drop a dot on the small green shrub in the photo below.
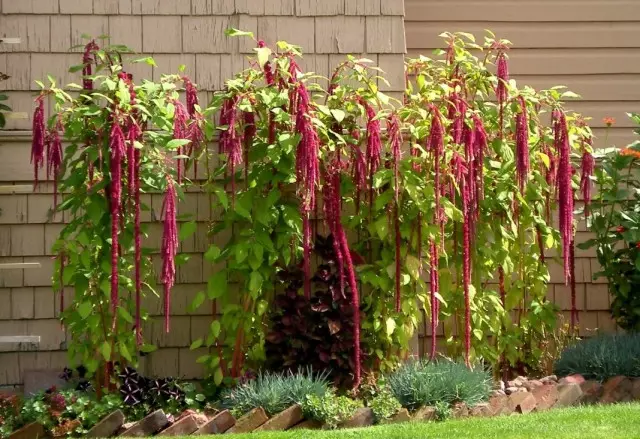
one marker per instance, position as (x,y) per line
(384,405)
(329,409)
(422,383)
(275,392)
(443,411)
(602,357)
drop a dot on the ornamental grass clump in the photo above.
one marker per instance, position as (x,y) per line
(275,392)
(420,383)
(601,357)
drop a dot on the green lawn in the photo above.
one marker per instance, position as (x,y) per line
(610,422)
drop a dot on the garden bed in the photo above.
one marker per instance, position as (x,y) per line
(520,396)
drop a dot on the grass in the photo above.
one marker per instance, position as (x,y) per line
(592,422)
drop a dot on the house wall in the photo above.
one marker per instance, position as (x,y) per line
(590,46)
(175,32)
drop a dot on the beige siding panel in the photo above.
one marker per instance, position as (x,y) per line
(523,11)
(424,34)
(566,61)
(591,87)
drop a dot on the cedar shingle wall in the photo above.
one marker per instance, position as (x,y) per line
(175,32)
(591,46)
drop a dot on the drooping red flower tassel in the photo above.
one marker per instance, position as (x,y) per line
(434,280)
(395,138)
(587,166)
(435,144)
(249,134)
(38,140)
(180,131)
(89,50)
(374,145)
(522,146)
(359,169)
(169,248)
(480,146)
(565,192)
(191,93)
(501,88)
(117,149)
(332,199)
(137,242)
(54,158)
(572,272)
(230,140)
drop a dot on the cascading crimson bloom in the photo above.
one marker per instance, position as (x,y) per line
(434,281)
(587,166)
(522,145)
(565,191)
(572,272)
(249,134)
(457,111)
(480,146)
(359,168)
(89,49)
(191,93)
(39,138)
(435,145)
(307,172)
(332,199)
(395,138)
(231,140)
(169,248)
(54,158)
(374,145)
(501,88)
(180,131)
(117,153)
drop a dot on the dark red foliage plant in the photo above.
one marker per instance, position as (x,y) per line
(103,150)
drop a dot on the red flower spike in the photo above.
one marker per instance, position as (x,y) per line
(39,138)
(587,166)
(522,146)
(88,57)
(565,191)
(395,138)
(191,93)
(180,131)
(169,248)
(117,149)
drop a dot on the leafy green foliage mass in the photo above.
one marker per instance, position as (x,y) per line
(615,220)
(384,405)
(329,409)
(420,383)
(602,357)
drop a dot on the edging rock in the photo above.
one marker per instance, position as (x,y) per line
(568,395)
(108,426)
(283,420)
(219,424)
(29,431)
(362,418)
(148,426)
(249,422)
(183,427)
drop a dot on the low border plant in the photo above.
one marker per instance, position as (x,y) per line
(602,357)
(329,409)
(421,383)
(275,392)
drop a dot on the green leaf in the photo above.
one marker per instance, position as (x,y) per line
(413,266)
(176,143)
(215,328)
(217,285)
(196,344)
(197,301)
(241,253)
(382,227)
(255,283)
(125,314)
(217,377)
(124,351)
(186,230)
(212,253)
(263,55)
(148,348)
(237,33)
(105,350)
(338,115)
(85,309)
(391,326)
